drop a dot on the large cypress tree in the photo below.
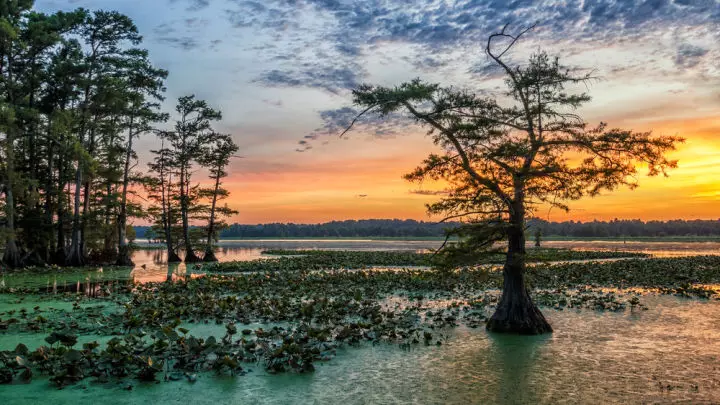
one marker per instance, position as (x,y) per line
(501,157)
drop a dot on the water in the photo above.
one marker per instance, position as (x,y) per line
(657,249)
(591,358)
(151,265)
(667,354)
(156,267)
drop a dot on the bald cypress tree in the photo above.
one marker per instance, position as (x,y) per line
(503,156)
(216,158)
(144,87)
(193,130)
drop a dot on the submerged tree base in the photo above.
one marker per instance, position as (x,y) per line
(124,257)
(210,256)
(524,319)
(11,257)
(75,258)
(191,257)
(173,257)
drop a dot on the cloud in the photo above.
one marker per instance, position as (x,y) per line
(193,5)
(184,43)
(347,28)
(330,78)
(486,70)
(274,103)
(196,23)
(428,192)
(215,43)
(689,56)
(164,29)
(335,121)
(427,63)
(186,33)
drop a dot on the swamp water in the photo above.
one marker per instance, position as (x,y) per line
(151,265)
(669,353)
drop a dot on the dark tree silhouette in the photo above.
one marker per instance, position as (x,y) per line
(76,92)
(502,156)
(216,158)
(192,131)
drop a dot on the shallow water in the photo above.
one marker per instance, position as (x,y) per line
(151,265)
(156,268)
(657,249)
(592,357)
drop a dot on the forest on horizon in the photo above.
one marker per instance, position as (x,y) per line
(414,228)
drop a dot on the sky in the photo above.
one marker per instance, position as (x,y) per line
(282,72)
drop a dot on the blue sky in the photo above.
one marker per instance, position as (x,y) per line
(281,70)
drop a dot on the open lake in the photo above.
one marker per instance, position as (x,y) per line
(151,265)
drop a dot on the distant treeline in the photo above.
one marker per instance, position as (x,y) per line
(412,228)
(334,229)
(627,228)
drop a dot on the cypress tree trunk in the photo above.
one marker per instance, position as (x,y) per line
(166,221)
(49,194)
(516,313)
(210,250)
(190,256)
(86,196)
(11,257)
(59,258)
(75,255)
(123,250)
(109,250)
(172,256)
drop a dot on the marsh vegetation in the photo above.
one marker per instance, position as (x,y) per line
(296,312)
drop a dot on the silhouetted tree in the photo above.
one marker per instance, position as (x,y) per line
(185,145)
(505,155)
(216,158)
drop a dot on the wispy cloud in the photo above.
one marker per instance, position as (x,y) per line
(689,55)
(335,121)
(428,192)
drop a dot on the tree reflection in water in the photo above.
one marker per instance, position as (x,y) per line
(516,358)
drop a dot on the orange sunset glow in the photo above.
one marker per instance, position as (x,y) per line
(325,184)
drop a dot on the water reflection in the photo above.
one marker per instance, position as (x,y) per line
(657,249)
(91,282)
(515,358)
(151,265)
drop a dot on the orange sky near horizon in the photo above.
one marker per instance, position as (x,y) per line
(330,186)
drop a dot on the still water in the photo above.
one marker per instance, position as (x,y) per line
(151,265)
(667,354)
(156,269)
